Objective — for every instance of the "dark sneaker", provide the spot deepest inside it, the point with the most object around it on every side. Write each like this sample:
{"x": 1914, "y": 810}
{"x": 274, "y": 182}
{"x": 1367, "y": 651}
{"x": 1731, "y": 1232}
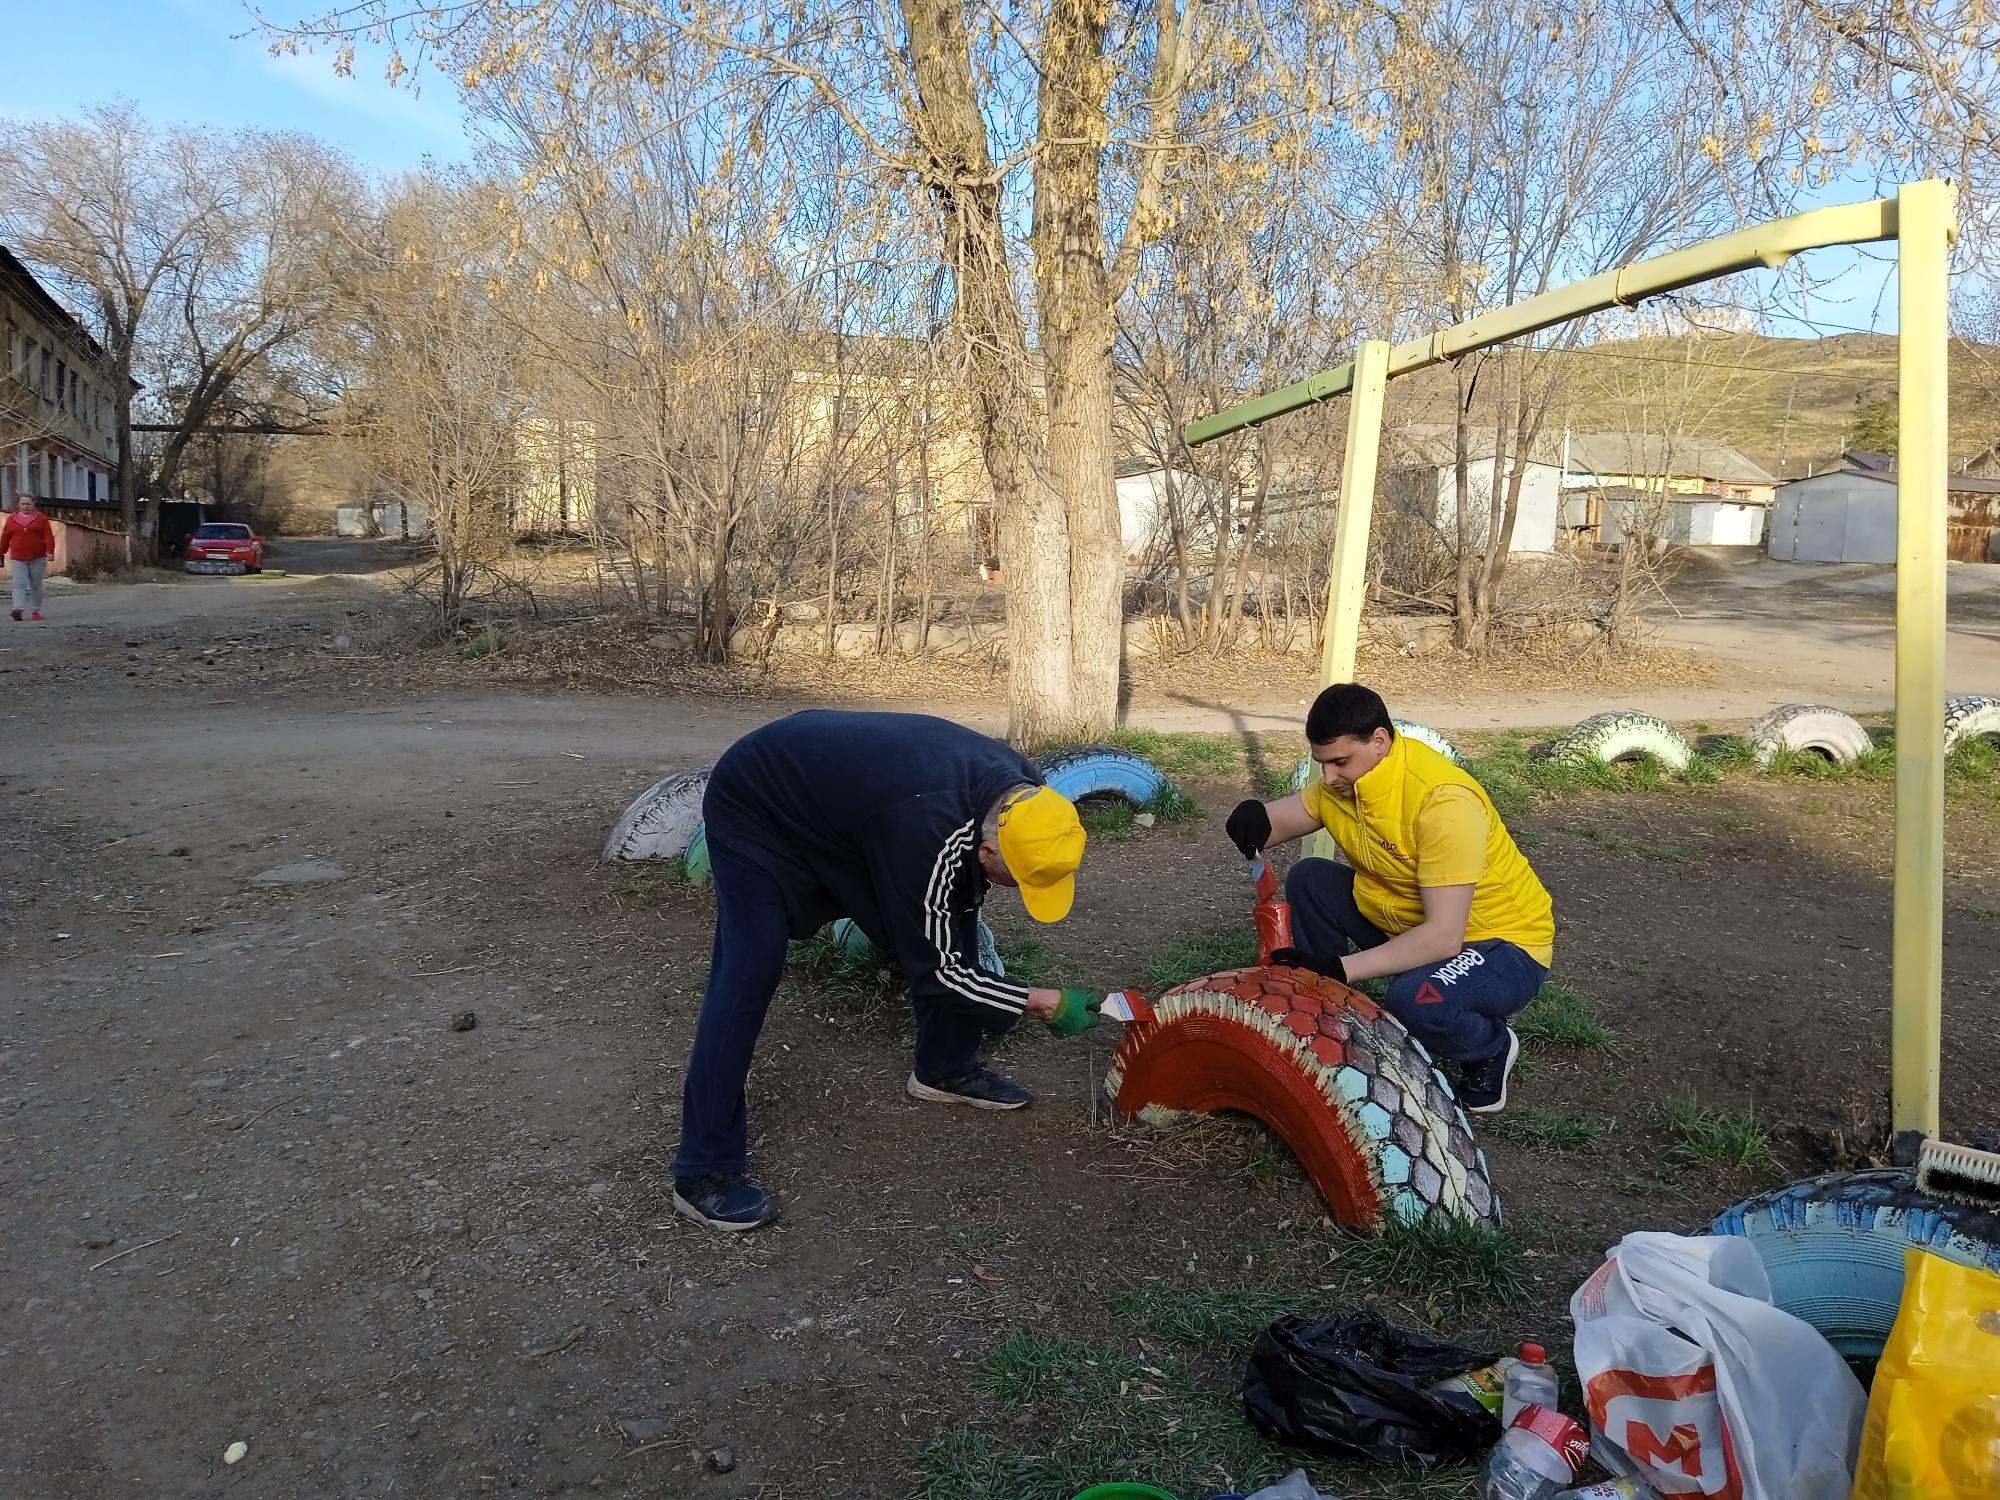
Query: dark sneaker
{"x": 1482, "y": 1086}
{"x": 728, "y": 1201}
{"x": 982, "y": 1088}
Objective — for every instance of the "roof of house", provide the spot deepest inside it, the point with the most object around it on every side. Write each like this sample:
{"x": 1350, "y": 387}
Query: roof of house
{"x": 37, "y": 296}
{"x": 1881, "y": 468}
{"x": 1658, "y": 453}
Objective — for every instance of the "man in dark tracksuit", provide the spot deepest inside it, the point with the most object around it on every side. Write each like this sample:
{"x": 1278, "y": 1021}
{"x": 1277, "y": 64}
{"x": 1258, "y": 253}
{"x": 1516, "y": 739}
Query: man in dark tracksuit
{"x": 898, "y": 821}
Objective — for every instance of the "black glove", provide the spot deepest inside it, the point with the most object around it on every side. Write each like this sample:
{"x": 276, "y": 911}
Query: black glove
{"x": 1249, "y": 827}
{"x": 1328, "y": 964}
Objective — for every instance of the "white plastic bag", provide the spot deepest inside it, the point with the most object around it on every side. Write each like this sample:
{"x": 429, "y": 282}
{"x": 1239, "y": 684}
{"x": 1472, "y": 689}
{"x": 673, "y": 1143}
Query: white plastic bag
{"x": 1696, "y": 1384}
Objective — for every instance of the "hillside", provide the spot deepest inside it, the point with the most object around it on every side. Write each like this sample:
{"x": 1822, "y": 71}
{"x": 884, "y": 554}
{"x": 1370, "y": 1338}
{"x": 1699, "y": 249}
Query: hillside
{"x": 1784, "y": 402}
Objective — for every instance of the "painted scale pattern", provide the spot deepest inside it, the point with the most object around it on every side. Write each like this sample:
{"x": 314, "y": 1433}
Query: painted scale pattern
{"x": 1376, "y": 1124}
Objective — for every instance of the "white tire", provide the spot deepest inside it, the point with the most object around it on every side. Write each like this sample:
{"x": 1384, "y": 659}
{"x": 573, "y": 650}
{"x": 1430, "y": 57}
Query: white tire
{"x": 1620, "y": 735}
{"x": 1970, "y": 717}
{"x": 1809, "y": 727}
{"x": 661, "y": 821}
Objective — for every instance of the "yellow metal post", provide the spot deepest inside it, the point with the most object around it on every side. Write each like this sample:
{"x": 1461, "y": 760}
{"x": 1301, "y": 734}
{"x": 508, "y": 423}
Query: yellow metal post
{"x": 1924, "y": 218}
{"x": 1347, "y": 578}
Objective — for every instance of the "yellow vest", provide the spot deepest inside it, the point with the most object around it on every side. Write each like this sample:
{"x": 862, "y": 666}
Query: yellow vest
{"x": 1377, "y": 831}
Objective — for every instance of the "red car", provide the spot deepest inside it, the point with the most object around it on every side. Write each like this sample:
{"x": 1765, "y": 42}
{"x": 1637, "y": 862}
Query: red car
{"x": 224, "y": 547}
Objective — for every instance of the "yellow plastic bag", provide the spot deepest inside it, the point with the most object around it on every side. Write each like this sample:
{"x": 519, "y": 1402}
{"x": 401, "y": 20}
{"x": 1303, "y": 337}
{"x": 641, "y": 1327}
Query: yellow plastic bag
{"x": 1933, "y": 1428}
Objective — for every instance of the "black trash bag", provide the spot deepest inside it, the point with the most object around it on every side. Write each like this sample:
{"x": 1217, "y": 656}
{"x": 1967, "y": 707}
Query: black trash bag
{"x": 1360, "y": 1387}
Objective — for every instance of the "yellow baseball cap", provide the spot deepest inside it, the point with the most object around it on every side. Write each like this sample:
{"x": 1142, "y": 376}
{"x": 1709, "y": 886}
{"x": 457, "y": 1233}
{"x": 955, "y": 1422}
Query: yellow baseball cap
{"x": 1041, "y": 840}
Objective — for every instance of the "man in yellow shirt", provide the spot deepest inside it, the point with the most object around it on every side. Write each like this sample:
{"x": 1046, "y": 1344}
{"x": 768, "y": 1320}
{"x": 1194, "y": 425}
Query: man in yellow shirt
{"x": 1435, "y": 896}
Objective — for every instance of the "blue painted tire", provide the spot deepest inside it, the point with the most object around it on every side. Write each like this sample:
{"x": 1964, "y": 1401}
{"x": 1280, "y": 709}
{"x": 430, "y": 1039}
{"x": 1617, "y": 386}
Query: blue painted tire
{"x": 695, "y": 861}
{"x": 1103, "y": 771}
{"x": 1423, "y": 734}
{"x": 1834, "y": 1247}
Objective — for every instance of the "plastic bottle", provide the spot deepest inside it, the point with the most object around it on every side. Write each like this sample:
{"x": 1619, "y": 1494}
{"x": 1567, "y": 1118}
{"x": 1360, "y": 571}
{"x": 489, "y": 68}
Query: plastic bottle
{"x": 1529, "y": 1382}
{"x": 1487, "y": 1385}
{"x": 1612, "y": 1489}
{"x": 1536, "y": 1458}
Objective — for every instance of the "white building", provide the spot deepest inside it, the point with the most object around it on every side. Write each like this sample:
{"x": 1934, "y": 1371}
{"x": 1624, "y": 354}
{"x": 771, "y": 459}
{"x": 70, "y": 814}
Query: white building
{"x": 1420, "y": 477}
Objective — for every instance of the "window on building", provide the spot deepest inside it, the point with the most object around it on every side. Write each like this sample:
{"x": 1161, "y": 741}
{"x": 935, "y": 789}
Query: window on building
{"x": 62, "y": 386}
{"x": 13, "y": 349}
{"x": 42, "y": 377}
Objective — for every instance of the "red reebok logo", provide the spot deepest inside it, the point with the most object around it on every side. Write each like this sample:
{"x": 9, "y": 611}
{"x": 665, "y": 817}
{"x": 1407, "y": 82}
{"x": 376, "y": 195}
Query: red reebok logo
{"x": 1430, "y": 994}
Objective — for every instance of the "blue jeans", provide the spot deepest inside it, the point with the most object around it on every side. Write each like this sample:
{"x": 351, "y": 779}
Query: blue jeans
{"x": 745, "y": 967}
{"x": 1458, "y": 1007}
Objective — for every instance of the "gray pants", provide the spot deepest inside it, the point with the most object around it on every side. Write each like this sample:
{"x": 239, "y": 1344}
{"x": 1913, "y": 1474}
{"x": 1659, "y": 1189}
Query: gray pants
{"x": 28, "y": 582}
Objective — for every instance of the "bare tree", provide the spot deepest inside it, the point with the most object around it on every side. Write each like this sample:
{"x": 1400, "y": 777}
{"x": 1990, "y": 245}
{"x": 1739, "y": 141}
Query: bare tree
{"x": 1070, "y": 118}
{"x": 191, "y": 252}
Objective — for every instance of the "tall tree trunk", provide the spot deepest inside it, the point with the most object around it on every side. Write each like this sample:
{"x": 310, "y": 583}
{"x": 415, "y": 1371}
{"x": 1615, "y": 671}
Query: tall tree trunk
{"x": 1032, "y": 519}
{"x": 885, "y": 597}
{"x": 1077, "y": 328}
{"x": 718, "y": 584}
{"x": 924, "y": 534}
{"x": 128, "y": 471}
{"x": 832, "y": 571}
{"x": 1177, "y": 537}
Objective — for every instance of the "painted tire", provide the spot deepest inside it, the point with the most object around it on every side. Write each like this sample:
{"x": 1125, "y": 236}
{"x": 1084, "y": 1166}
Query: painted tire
{"x": 1355, "y": 1096}
{"x": 856, "y": 942}
{"x": 1970, "y": 717}
{"x": 1422, "y": 733}
{"x": 1103, "y": 771}
{"x": 695, "y": 862}
{"x": 1834, "y": 1247}
{"x": 661, "y": 821}
{"x": 1619, "y": 735}
{"x": 1809, "y": 726}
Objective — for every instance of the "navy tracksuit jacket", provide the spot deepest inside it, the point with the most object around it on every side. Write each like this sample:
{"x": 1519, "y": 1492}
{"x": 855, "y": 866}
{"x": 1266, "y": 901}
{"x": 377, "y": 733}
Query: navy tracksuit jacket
{"x": 826, "y": 814}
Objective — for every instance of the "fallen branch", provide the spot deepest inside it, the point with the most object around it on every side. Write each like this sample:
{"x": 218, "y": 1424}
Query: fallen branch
{"x": 135, "y": 1249}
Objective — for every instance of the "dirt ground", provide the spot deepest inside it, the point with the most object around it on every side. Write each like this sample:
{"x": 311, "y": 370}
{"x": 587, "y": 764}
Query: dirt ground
{"x": 257, "y": 1188}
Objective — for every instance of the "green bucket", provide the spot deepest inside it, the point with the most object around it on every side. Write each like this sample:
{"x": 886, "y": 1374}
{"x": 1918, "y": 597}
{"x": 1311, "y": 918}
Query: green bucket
{"x": 1124, "y": 1492}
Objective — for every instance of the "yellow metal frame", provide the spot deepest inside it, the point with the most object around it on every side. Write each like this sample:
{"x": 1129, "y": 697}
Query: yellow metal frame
{"x": 1921, "y": 218}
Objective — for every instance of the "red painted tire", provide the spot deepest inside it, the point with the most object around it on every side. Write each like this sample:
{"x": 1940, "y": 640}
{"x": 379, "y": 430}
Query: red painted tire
{"x": 1355, "y": 1096}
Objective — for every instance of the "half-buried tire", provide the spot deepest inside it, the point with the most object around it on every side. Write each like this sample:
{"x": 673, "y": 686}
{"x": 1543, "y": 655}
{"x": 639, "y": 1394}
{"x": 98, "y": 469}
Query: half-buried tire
{"x": 1103, "y": 771}
{"x": 1968, "y": 718}
{"x": 1354, "y": 1095}
{"x": 1834, "y": 1247}
{"x": 1809, "y": 728}
{"x": 1620, "y": 735}
{"x": 662, "y": 820}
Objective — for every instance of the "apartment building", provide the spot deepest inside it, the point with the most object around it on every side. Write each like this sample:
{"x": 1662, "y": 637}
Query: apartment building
{"x": 58, "y": 424}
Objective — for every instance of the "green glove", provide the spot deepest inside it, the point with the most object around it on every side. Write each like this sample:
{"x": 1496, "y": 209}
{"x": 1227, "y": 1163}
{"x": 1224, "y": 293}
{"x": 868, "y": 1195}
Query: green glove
{"x": 1076, "y": 1013}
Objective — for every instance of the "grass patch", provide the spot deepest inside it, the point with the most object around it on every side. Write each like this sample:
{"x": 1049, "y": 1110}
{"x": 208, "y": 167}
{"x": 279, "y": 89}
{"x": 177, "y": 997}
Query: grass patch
{"x": 1096, "y": 1414}
{"x": 1445, "y": 1270}
{"x": 1109, "y": 820}
{"x": 1719, "y": 1137}
{"x": 1726, "y": 752}
{"x": 1201, "y": 953}
{"x": 1028, "y": 959}
{"x": 1975, "y": 759}
{"x": 1563, "y": 1017}
{"x": 1172, "y": 805}
{"x": 1540, "y": 1129}
{"x": 648, "y": 885}
{"x": 839, "y": 972}
{"x": 1448, "y": 1268}
{"x": 1274, "y": 782}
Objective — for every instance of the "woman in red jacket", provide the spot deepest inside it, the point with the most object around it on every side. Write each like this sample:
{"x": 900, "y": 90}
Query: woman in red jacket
{"x": 27, "y": 541}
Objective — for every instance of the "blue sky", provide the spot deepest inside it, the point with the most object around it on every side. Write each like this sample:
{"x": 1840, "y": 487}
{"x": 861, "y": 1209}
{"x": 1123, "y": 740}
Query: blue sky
{"x": 203, "y": 62}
